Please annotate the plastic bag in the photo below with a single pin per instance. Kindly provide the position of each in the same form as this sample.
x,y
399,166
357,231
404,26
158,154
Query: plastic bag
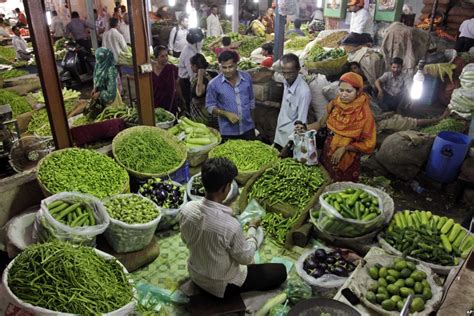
x,y
304,148
280,310
462,100
125,237
297,290
46,226
467,77
331,221
253,211
234,190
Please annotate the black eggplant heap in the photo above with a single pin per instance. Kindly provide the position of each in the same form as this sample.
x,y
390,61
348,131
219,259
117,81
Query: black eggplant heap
x,y
165,193
321,262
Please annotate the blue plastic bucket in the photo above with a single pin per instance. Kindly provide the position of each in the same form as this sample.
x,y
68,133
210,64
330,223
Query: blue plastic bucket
x,y
447,155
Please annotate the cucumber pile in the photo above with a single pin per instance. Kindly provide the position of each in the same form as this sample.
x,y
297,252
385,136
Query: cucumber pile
x,y
395,283
428,237
72,214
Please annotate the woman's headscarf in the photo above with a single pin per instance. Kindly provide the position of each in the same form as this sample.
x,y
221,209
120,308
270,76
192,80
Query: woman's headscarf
x,y
104,67
353,79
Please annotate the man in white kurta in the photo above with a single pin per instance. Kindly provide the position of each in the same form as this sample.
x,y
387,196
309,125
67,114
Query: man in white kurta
x,y
214,27
295,102
113,39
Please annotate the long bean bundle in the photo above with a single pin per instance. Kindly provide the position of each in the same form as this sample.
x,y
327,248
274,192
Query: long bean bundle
x,y
69,279
246,155
146,151
288,182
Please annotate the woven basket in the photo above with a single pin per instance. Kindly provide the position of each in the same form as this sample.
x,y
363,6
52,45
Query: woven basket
x,y
200,154
169,138
167,124
45,190
328,67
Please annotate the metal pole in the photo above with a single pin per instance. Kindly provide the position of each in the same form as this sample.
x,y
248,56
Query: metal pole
x,y
48,72
433,15
235,16
91,18
280,21
141,61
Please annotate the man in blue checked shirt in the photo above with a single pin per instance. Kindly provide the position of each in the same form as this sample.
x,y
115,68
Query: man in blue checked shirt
x,y
230,97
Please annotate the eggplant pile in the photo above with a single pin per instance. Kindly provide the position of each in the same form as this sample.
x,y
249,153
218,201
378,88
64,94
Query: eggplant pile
x,y
197,187
321,262
164,193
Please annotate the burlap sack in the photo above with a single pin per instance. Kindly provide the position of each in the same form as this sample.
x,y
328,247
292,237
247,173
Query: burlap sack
x,y
460,11
404,153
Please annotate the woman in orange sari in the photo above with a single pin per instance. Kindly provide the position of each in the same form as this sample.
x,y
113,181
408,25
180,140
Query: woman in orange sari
x,y
351,129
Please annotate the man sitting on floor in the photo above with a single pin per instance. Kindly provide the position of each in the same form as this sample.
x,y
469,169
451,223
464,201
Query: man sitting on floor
x,y
392,87
220,254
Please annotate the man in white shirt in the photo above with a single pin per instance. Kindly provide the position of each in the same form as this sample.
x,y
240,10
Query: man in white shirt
x,y
57,26
221,256
466,36
20,45
113,39
178,36
295,102
361,21
124,28
186,74
214,27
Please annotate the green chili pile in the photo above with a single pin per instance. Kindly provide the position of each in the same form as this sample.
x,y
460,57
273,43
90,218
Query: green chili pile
x,y
82,170
288,182
246,155
69,279
146,151
131,209
18,103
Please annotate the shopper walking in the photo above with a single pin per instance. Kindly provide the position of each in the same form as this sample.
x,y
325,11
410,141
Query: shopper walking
x,y
178,36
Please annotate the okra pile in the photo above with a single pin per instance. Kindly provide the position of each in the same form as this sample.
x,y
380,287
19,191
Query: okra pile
x,y
288,182
277,226
354,204
69,279
84,171
246,155
72,214
429,237
131,209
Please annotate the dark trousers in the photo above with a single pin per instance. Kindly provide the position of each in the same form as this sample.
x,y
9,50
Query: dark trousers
x,y
390,102
260,277
248,135
185,85
176,54
463,44
86,43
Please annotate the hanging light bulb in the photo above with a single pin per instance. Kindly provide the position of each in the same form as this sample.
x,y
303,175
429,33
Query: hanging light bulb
x,y
319,3
229,7
255,1
193,19
189,7
172,3
417,88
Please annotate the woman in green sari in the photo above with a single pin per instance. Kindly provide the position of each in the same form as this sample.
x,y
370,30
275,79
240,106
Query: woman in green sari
x,y
106,78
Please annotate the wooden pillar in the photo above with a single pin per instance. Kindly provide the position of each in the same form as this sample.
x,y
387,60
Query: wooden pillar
x,y
141,60
48,72
280,21
235,16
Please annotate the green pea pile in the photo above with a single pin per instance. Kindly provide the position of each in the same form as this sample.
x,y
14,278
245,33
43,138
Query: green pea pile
x,y
288,182
246,155
146,151
82,170
18,103
131,209
69,279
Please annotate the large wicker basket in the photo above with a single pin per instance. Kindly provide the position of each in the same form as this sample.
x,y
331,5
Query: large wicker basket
x,y
197,156
169,138
328,67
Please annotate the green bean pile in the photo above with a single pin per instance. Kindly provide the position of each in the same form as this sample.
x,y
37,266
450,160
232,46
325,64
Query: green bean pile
x,y
131,209
277,226
246,155
18,103
12,73
289,183
145,151
82,170
447,124
69,279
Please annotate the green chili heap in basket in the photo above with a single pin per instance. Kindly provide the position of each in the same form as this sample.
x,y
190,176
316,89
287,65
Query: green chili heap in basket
x,y
146,151
246,155
69,279
82,170
288,182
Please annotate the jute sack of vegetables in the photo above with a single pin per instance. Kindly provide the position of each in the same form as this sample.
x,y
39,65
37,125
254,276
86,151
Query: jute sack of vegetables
x,y
57,278
350,212
73,217
133,221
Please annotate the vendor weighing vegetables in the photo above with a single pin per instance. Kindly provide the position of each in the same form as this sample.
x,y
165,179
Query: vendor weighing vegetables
x,y
220,254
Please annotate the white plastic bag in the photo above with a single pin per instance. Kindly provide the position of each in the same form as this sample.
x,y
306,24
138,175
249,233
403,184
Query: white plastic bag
x,y
304,148
234,190
124,237
467,77
46,226
462,100
252,211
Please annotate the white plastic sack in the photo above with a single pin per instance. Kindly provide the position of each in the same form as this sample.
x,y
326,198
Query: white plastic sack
x,y
331,90
316,84
467,77
18,307
46,226
124,237
462,100
170,215
252,211
327,281
256,56
234,190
